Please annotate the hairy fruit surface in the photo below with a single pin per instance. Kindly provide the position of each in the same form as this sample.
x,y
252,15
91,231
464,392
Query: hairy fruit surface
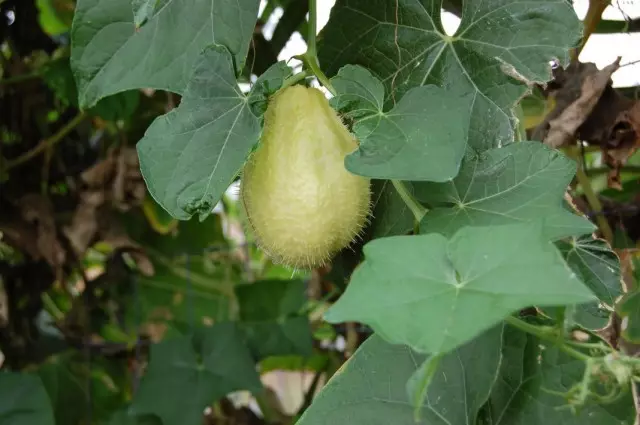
x,y
301,202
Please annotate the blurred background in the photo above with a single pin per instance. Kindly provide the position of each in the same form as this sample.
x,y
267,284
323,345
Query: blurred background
x,y
93,271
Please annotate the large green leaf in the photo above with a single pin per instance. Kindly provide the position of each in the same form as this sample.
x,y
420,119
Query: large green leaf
x,y
435,294
530,372
23,400
110,54
186,374
518,183
499,43
423,137
270,316
370,388
189,156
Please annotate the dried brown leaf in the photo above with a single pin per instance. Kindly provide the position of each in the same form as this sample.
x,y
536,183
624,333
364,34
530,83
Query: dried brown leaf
x,y
562,129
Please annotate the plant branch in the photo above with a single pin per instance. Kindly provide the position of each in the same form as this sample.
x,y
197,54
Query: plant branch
x,y
313,19
548,335
590,194
47,143
310,57
594,202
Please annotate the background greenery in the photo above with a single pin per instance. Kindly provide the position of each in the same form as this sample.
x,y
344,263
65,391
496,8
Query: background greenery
x,y
126,300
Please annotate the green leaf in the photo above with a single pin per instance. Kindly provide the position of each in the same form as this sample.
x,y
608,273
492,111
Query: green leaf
x,y
189,156
185,375
270,316
435,294
595,264
109,54
519,183
423,137
123,417
23,400
65,387
629,310
266,85
530,372
499,43
59,78
599,268
370,388
390,215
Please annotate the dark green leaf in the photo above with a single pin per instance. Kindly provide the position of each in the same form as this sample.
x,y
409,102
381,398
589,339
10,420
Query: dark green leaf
x,y
390,216
184,377
596,264
412,141
65,387
270,316
521,182
123,417
599,268
189,156
57,75
109,54
23,400
435,294
370,388
529,373
499,43
629,310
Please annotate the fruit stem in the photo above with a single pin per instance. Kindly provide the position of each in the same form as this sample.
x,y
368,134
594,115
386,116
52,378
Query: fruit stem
x,y
416,208
294,79
313,19
310,57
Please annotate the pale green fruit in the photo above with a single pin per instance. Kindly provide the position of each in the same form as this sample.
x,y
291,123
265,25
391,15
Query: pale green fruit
x,y
301,202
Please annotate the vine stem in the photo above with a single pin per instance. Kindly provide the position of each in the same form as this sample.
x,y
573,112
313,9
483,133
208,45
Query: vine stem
x,y
546,335
47,143
591,196
416,208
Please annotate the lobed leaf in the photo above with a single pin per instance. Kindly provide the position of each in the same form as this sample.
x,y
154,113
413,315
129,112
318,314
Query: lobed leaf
x,y
111,53
369,389
189,156
519,183
500,47
209,367
270,317
423,137
434,294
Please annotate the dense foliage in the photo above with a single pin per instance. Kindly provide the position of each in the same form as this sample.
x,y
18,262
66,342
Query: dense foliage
x,y
496,281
